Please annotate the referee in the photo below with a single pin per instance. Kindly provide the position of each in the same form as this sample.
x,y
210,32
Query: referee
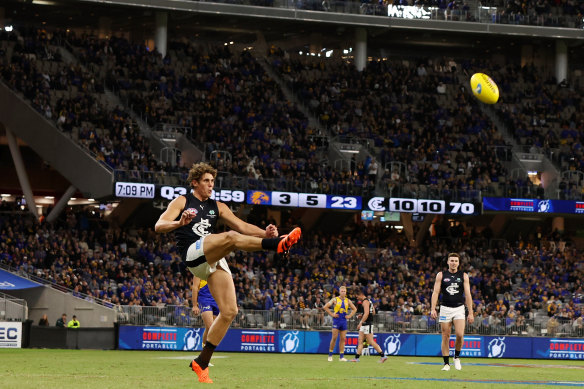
x,y
454,286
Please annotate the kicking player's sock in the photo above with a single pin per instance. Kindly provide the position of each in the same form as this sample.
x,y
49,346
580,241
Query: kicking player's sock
x,y
205,356
446,362
456,353
330,353
271,243
357,356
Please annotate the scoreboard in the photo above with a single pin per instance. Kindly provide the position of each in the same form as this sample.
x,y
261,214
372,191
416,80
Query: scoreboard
x,y
303,200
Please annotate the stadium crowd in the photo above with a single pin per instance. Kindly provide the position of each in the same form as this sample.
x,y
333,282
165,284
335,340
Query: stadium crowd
x,y
262,141
511,284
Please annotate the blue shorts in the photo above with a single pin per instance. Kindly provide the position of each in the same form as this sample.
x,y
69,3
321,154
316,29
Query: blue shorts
x,y
340,325
208,304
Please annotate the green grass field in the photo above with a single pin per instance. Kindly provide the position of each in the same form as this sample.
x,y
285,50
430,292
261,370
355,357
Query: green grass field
x,y
32,368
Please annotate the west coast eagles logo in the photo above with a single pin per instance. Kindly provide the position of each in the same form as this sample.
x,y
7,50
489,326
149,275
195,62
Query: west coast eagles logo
x,y
497,347
192,340
290,342
392,344
259,197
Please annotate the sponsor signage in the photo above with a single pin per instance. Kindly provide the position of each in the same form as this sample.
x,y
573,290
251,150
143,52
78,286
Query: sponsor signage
x,y
10,334
9,281
317,342
507,204
550,348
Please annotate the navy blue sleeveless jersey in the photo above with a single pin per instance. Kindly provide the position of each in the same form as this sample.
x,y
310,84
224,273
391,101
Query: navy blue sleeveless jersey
x,y
203,224
452,288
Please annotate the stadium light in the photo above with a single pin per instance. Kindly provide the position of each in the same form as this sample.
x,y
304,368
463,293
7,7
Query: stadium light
x,y
8,28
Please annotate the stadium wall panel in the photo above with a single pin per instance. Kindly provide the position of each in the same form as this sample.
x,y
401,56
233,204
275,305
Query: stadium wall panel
x,y
314,342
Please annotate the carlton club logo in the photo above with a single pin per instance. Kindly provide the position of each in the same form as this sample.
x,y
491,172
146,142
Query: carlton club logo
x,y
258,197
290,342
496,347
192,339
392,344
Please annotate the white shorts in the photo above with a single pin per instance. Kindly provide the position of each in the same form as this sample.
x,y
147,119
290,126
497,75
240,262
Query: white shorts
x,y
448,314
366,329
203,270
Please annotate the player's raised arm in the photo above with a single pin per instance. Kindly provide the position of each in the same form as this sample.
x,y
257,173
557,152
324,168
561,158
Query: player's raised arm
x,y
167,221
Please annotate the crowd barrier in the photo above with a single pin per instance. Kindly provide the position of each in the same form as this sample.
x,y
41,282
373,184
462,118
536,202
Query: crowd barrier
x,y
314,342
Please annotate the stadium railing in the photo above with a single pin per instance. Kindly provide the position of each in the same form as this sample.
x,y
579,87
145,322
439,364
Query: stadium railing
x,y
12,308
182,316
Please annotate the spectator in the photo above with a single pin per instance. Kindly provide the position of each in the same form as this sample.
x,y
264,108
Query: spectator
x,y
44,320
74,323
62,321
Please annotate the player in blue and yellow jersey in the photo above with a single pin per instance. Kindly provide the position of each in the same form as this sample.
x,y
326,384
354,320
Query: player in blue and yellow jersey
x,y
340,314
204,304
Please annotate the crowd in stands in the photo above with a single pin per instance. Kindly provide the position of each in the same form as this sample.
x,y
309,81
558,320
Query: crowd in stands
x,y
544,115
73,98
263,141
511,284
429,133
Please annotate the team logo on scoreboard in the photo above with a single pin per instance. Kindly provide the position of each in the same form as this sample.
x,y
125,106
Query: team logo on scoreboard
x,y
290,342
259,197
579,207
497,347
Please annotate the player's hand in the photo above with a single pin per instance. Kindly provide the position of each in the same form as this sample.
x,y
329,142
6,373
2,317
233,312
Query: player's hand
x,y
196,310
335,315
271,231
358,326
186,217
433,314
470,318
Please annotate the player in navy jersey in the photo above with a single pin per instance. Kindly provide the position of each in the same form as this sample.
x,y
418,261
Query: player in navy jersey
x,y
365,312
193,217
454,286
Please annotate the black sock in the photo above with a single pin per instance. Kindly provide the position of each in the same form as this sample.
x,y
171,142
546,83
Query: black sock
x,y
270,243
205,356
456,354
446,360
357,356
382,354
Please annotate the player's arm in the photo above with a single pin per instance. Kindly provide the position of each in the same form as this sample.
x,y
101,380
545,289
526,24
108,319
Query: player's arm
x,y
239,225
195,295
365,313
327,308
435,295
167,221
468,299
353,310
